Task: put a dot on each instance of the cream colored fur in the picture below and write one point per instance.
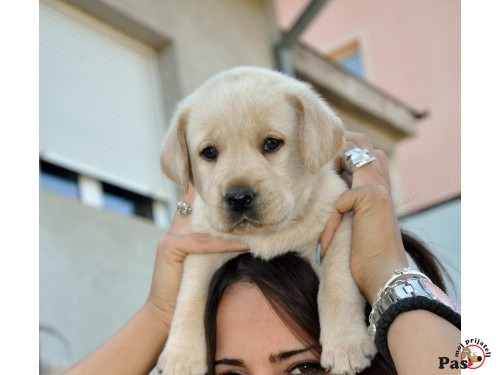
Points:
(296, 189)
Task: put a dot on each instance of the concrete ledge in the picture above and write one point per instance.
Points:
(350, 94)
(120, 21)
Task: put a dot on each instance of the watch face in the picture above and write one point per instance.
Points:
(438, 293)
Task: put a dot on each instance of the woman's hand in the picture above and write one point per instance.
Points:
(377, 247)
(170, 254)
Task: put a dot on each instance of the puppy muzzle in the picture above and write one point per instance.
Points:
(240, 199)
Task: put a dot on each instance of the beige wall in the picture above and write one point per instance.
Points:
(411, 49)
(208, 36)
(95, 272)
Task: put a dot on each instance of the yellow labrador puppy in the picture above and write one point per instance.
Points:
(258, 147)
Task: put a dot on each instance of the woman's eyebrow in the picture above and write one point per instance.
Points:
(230, 362)
(273, 358)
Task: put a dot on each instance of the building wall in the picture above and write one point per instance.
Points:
(410, 49)
(95, 272)
(208, 36)
(439, 226)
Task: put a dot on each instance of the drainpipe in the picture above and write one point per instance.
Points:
(282, 48)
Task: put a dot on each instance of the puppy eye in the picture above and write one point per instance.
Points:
(209, 153)
(272, 144)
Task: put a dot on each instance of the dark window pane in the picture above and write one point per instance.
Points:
(125, 202)
(58, 180)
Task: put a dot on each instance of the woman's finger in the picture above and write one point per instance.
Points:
(197, 243)
(374, 172)
(175, 248)
(182, 223)
(352, 140)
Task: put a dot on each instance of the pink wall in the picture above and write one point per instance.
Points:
(411, 49)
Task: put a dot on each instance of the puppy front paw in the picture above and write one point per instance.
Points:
(348, 353)
(182, 362)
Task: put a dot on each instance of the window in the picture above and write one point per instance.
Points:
(110, 197)
(58, 180)
(126, 202)
(101, 110)
(350, 58)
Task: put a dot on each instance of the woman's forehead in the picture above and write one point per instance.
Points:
(248, 328)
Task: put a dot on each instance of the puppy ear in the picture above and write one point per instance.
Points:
(321, 130)
(174, 158)
(465, 353)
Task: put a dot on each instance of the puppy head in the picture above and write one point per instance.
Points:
(251, 141)
(466, 353)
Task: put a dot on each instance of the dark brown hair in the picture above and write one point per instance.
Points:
(290, 285)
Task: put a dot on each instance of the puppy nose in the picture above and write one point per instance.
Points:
(240, 198)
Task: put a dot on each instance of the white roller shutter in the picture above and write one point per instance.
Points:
(100, 101)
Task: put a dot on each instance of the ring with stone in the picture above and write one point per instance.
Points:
(355, 158)
(183, 208)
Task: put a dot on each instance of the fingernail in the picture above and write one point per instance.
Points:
(318, 254)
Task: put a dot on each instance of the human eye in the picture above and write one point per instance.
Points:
(306, 367)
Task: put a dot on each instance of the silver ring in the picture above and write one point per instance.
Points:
(355, 158)
(183, 208)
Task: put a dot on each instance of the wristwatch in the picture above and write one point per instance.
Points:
(402, 285)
